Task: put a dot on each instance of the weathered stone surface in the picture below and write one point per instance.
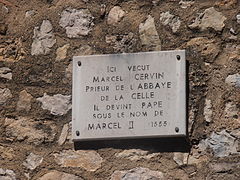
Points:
(57, 104)
(5, 73)
(6, 174)
(226, 4)
(3, 28)
(30, 13)
(208, 110)
(223, 167)
(196, 159)
(63, 135)
(5, 10)
(88, 160)
(138, 173)
(210, 18)
(115, 15)
(62, 52)
(222, 143)
(149, 35)
(24, 102)
(233, 80)
(121, 43)
(69, 137)
(56, 175)
(155, 2)
(26, 129)
(229, 53)
(43, 39)
(186, 4)
(84, 50)
(13, 50)
(204, 46)
(236, 133)
(33, 161)
(5, 94)
(172, 21)
(231, 110)
(7, 153)
(135, 154)
(68, 72)
(238, 18)
(76, 22)
(180, 158)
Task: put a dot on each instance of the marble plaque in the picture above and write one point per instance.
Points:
(137, 95)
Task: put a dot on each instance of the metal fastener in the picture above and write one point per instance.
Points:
(178, 57)
(176, 129)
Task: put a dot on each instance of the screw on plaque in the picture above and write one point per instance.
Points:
(79, 63)
(178, 57)
(176, 129)
(77, 133)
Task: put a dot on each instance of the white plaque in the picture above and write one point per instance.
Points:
(138, 95)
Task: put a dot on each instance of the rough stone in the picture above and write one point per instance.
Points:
(135, 154)
(210, 18)
(3, 28)
(231, 110)
(7, 153)
(185, 4)
(33, 161)
(12, 50)
(68, 72)
(197, 159)
(5, 73)
(206, 47)
(149, 35)
(103, 10)
(6, 174)
(137, 173)
(63, 135)
(222, 143)
(238, 18)
(5, 10)
(88, 160)
(84, 50)
(121, 43)
(227, 4)
(208, 111)
(155, 2)
(26, 129)
(172, 21)
(115, 15)
(69, 137)
(24, 102)
(180, 158)
(53, 175)
(222, 167)
(233, 80)
(5, 94)
(43, 39)
(30, 13)
(236, 133)
(76, 22)
(62, 52)
(229, 53)
(57, 104)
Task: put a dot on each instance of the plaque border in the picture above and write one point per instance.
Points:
(181, 129)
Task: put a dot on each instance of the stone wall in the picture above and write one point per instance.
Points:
(38, 39)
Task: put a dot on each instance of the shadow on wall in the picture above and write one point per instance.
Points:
(179, 144)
